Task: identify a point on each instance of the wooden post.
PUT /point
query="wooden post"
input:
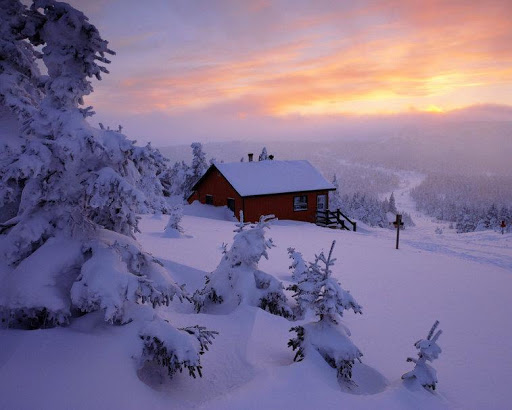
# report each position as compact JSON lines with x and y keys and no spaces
{"x":398,"y":224}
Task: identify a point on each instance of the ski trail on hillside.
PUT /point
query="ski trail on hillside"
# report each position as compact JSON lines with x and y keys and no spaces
{"x":405,"y":202}
{"x":486,"y":247}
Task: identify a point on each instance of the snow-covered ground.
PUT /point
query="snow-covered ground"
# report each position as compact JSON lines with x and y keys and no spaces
{"x":465,"y":281}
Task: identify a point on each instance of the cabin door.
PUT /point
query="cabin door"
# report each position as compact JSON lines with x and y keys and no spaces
{"x":231,"y":204}
{"x":321,"y":203}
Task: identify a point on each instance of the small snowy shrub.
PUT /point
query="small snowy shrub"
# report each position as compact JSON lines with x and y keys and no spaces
{"x":327,"y":336}
{"x":428,"y":350}
{"x":173,"y":228}
{"x":237,"y":279}
{"x":175,"y":349}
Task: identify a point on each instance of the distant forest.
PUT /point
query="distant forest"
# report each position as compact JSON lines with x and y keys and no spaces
{"x":472,"y":202}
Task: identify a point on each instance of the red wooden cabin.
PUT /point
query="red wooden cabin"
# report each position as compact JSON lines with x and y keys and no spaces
{"x":287,"y":189}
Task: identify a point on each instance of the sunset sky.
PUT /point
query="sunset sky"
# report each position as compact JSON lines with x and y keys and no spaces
{"x":206,"y":70}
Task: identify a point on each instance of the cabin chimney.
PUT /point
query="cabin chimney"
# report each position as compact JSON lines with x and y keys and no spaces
{"x":250,"y":155}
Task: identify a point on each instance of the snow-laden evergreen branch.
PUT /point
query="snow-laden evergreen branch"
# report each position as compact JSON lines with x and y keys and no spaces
{"x":175,"y":349}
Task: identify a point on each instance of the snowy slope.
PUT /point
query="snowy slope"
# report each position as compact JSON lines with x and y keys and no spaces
{"x":464,"y":284}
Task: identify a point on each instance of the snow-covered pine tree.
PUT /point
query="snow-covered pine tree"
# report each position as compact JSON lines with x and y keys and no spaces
{"x":20,"y":78}
{"x":481,"y":221}
{"x":173,"y":228}
{"x":327,"y":336}
{"x":428,"y":350}
{"x":263,"y":156}
{"x":76,"y":191}
{"x":197,"y":169}
{"x":392,"y":204}
{"x":365,"y":209}
{"x":332,"y":300}
{"x":178,"y":179}
{"x":9,"y":197}
{"x":335,"y":201}
{"x":492,"y":217}
{"x":237,"y":279}
{"x":153,"y":177}
{"x":374,"y":213}
{"x":505,"y":215}
{"x":199,"y":164}
{"x":465,"y":221}
{"x":407,"y":220}
{"x":385,"y":204}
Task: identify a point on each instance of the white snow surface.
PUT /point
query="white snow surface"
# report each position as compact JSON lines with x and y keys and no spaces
{"x":41,"y":279}
{"x":464,"y":280}
{"x":272,"y":177}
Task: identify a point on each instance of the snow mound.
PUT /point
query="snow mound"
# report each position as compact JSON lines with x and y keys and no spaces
{"x":43,"y":280}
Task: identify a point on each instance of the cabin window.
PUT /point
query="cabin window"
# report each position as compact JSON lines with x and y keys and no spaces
{"x":300,"y":203}
{"x":231,"y":204}
{"x":209,"y":199}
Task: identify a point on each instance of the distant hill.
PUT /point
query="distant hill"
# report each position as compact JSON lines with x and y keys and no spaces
{"x":463,"y":147}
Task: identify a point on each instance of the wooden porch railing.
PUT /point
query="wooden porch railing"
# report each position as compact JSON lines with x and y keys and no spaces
{"x":335,"y":219}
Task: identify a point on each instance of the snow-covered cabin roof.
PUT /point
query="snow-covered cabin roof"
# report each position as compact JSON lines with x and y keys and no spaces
{"x":273,"y":177}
